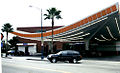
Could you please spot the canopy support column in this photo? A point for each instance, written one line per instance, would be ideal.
(87, 41)
(87, 45)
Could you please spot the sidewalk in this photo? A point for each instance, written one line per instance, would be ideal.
(107, 58)
(35, 58)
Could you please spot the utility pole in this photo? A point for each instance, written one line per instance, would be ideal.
(42, 41)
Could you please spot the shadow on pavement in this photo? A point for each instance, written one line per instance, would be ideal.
(37, 59)
(7, 57)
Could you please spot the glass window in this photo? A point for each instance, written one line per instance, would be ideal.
(64, 53)
(69, 53)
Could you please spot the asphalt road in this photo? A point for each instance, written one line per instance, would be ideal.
(21, 65)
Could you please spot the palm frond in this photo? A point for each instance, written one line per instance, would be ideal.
(57, 12)
(47, 18)
(11, 30)
(58, 17)
(7, 28)
(45, 15)
(53, 10)
(48, 10)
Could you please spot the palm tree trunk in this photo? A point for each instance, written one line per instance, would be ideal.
(6, 43)
(52, 33)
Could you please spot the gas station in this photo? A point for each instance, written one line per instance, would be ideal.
(98, 32)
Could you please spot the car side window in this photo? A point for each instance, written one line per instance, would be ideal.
(69, 53)
(76, 53)
(64, 53)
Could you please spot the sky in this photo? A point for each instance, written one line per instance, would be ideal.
(19, 14)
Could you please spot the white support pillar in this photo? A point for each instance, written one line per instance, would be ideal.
(87, 45)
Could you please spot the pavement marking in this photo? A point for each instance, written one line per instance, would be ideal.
(61, 71)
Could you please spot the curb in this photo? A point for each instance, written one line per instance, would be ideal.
(37, 59)
(7, 57)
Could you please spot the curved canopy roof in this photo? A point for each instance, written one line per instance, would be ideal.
(101, 26)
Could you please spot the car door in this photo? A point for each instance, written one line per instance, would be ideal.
(63, 56)
(69, 55)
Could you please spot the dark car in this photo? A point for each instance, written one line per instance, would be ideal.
(67, 55)
(12, 52)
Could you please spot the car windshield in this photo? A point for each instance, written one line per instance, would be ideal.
(59, 52)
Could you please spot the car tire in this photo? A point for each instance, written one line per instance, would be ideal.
(54, 60)
(74, 61)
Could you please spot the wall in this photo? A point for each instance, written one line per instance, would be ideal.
(21, 48)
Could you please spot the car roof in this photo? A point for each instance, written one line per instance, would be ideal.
(70, 51)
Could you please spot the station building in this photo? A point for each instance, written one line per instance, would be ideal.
(98, 33)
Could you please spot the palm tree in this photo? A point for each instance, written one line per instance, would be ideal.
(13, 44)
(53, 13)
(7, 28)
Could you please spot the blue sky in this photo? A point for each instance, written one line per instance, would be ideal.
(19, 14)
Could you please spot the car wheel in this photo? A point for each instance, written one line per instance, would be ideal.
(54, 60)
(75, 61)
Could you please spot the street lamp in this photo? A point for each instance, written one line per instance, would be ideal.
(42, 42)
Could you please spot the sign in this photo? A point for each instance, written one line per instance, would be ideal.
(25, 44)
(1, 45)
(2, 36)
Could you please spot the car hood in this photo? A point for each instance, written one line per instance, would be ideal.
(52, 55)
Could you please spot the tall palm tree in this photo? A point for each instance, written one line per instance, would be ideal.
(7, 28)
(53, 13)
